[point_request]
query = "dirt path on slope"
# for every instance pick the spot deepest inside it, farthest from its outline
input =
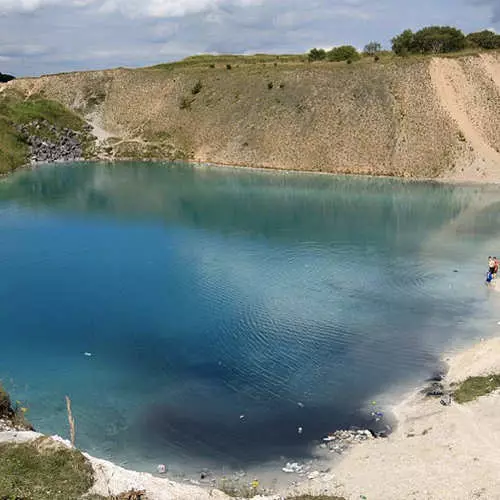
(455, 94)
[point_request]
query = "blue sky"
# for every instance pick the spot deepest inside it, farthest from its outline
(47, 36)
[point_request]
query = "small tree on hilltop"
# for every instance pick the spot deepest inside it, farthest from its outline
(316, 54)
(402, 44)
(343, 53)
(485, 39)
(372, 48)
(438, 39)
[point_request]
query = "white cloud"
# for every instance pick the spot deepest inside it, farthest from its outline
(8, 6)
(45, 36)
(129, 8)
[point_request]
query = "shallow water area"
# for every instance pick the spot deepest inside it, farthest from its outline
(199, 316)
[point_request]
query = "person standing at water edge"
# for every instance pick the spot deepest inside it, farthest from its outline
(492, 269)
(491, 266)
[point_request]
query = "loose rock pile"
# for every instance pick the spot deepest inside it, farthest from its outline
(438, 389)
(341, 440)
(5, 425)
(64, 144)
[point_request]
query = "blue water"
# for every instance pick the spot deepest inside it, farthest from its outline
(207, 294)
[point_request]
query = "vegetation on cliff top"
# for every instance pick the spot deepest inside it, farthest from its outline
(428, 40)
(6, 78)
(15, 110)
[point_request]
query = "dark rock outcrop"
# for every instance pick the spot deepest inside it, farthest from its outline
(49, 143)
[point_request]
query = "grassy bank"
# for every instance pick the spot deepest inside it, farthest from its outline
(43, 470)
(475, 387)
(231, 61)
(15, 110)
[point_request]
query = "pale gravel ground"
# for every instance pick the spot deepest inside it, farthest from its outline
(469, 91)
(437, 452)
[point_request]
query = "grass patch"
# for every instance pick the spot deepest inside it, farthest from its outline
(14, 109)
(213, 61)
(43, 471)
(475, 387)
(13, 149)
(222, 61)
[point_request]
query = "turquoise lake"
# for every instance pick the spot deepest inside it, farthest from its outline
(197, 316)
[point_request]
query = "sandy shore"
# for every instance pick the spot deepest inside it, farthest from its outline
(437, 452)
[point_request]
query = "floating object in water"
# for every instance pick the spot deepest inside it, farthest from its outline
(88, 354)
(242, 416)
(374, 402)
(301, 405)
(161, 469)
(300, 430)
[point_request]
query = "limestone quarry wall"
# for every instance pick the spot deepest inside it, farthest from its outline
(433, 117)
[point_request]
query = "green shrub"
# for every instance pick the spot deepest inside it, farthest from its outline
(343, 53)
(316, 54)
(401, 44)
(485, 39)
(429, 40)
(197, 88)
(438, 39)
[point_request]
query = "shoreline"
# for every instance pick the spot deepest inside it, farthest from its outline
(429, 437)
(443, 180)
(437, 451)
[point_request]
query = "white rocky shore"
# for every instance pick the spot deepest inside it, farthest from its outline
(110, 479)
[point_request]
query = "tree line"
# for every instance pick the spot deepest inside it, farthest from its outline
(428, 40)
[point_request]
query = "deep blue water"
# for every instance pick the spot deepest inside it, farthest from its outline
(205, 294)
